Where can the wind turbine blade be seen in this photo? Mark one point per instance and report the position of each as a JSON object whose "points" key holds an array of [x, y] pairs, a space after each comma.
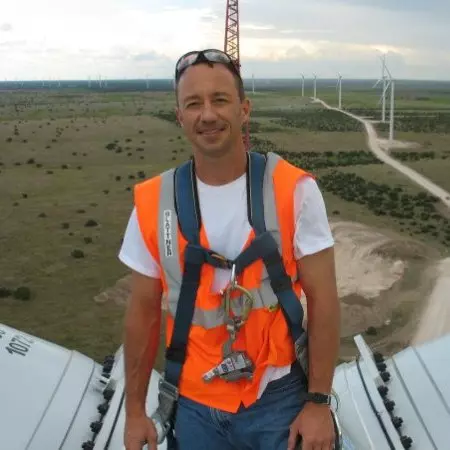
{"points": [[386, 88], [389, 73]]}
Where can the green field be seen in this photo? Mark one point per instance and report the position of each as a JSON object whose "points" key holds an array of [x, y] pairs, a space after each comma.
{"points": [[69, 159]]}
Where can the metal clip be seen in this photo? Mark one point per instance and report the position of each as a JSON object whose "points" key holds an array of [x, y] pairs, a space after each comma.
{"points": [[246, 298], [234, 367], [167, 399], [301, 352], [234, 323]]}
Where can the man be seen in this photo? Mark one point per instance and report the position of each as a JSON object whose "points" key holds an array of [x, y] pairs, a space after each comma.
{"points": [[272, 411]]}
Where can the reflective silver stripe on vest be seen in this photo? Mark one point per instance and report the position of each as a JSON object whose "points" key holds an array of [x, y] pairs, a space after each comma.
{"points": [[168, 238], [264, 296]]}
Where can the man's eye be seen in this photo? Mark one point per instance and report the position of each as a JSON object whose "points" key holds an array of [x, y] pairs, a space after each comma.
{"points": [[191, 104]]}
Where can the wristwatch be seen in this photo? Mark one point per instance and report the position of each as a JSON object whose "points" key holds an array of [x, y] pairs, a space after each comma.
{"points": [[319, 398]]}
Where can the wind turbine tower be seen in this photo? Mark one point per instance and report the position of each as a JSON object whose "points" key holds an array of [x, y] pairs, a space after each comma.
{"points": [[303, 85], [384, 82], [253, 83], [391, 127], [391, 114], [315, 86], [390, 83], [339, 88]]}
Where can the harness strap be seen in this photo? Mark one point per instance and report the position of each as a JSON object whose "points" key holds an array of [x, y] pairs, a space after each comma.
{"points": [[187, 203], [280, 281], [176, 352], [263, 246]]}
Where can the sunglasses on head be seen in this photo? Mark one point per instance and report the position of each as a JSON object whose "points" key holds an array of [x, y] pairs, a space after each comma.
{"points": [[210, 55]]}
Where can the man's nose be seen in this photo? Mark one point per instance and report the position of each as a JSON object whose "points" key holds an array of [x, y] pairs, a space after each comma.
{"points": [[208, 113]]}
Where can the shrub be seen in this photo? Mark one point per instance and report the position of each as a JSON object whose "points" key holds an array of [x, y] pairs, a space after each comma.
{"points": [[5, 292], [22, 293], [91, 223], [77, 254]]}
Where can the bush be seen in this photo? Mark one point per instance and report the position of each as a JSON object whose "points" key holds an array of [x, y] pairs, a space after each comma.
{"points": [[91, 223], [22, 293], [4, 292], [77, 254]]}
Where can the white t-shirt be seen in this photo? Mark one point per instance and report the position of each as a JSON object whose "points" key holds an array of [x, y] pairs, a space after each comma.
{"points": [[224, 215]]}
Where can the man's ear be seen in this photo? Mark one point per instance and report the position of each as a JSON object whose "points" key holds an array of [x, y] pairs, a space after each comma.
{"points": [[246, 110]]}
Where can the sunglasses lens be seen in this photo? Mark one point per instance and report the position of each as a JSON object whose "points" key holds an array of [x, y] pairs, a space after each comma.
{"points": [[186, 61], [217, 56]]}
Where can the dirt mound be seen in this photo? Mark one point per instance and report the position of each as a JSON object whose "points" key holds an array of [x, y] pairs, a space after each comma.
{"points": [[119, 293], [383, 279]]}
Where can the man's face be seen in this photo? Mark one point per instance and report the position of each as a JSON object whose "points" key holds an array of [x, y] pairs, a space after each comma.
{"points": [[210, 110]]}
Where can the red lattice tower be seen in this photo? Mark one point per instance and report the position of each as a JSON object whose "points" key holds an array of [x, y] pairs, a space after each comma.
{"points": [[232, 45], [232, 32]]}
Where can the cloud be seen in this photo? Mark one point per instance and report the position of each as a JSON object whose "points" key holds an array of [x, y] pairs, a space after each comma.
{"points": [[147, 56], [409, 5], [130, 38], [6, 27]]}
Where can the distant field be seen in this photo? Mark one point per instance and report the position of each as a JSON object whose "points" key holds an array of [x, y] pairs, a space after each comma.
{"points": [[67, 160], [405, 99]]}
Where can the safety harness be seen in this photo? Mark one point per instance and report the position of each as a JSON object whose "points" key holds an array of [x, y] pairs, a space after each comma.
{"points": [[263, 246]]}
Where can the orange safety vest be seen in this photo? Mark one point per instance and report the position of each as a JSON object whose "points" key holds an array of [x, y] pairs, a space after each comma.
{"points": [[265, 336]]}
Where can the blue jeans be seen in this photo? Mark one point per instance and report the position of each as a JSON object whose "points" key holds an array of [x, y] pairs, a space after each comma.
{"points": [[264, 425]]}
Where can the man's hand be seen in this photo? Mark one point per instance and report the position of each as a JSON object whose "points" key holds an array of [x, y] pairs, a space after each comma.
{"points": [[315, 426], [140, 430]]}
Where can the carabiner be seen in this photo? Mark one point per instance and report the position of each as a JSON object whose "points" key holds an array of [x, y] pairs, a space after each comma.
{"points": [[247, 301]]}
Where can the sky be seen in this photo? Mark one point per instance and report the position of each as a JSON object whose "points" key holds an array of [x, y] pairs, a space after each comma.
{"points": [[50, 39]]}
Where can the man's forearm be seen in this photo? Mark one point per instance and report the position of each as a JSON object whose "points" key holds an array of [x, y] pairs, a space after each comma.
{"points": [[141, 342], [323, 348]]}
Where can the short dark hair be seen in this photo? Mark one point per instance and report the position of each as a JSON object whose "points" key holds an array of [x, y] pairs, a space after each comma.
{"points": [[237, 78]]}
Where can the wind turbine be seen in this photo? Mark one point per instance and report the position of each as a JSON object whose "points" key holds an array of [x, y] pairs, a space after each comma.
{"points": [[384, 81], [303, 85], [390, 84], [339, 89], [315, 86]]}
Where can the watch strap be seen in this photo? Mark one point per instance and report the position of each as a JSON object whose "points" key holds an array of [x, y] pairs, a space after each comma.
{"points": [[319, 398]]}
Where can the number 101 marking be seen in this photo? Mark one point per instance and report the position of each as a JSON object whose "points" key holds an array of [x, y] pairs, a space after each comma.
{"points": [[19, 345]]}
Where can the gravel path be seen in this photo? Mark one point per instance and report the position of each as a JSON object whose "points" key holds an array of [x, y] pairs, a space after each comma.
{"points": [[372, 140]]}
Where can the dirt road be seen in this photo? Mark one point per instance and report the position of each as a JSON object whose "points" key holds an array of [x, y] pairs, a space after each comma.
{"points": [[435, 321], [374, 145]]}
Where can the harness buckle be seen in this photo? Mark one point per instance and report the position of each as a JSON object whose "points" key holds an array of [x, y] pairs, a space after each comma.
{"points": [[235, 366], [162, 417], [223, 262], [301, 352]]}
